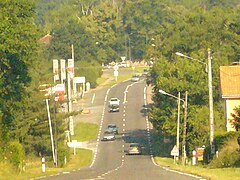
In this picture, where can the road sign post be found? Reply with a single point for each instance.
(115, 73)
(123, 58)
(175, 153)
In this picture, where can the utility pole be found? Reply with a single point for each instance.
(178, 122)
(71, 129)
(184, 130)
(211, 115)
(126, 46)
(72, 52)
(129, 44)
(55, 132)
(51, 133)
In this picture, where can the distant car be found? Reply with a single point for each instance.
(114, 101)
(112, 128)
(108, 136)
(145, 72)
(114, 108)
(135, 78)
(123, 64)
(134, 149)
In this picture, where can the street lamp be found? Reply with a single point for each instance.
(129, 46)
(178, 123)
(211, 115)
(183, 55)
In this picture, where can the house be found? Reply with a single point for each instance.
(230, 89)
(45, 39)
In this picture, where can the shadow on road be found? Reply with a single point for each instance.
(161, 145)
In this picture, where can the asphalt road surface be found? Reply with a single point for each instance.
(110, 160)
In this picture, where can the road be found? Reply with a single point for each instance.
(110, 160)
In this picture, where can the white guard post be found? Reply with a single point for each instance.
(194, 157)
(43, 165)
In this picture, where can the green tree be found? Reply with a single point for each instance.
(17, 46)
(236, 118)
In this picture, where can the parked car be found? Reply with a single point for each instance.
(134, 149)
(135, 78)
(108, 136)
(112, 128)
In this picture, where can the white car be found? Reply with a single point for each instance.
(122, 64)
(135, 78)
(114, 101)
(108, 136)
(134, 149)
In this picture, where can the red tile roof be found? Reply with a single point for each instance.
(45, 39)
(230, 81)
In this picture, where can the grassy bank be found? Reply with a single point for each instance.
(212, 173)
(33, 165)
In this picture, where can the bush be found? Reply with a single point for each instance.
(91, 70)
(229, 155)
(16, 155)
(63, 154)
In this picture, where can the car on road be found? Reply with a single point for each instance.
(145, 72)
(123, 64)
(135, 78)
(114, 108)
(108, 136)
(114, 101)
(134, 149)
(112, 128)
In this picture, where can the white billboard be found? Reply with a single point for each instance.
(71, 68)
(55, 70)
(63, 69)
(79, 79)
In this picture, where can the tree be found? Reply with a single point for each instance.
(236, 118)
(17, 46)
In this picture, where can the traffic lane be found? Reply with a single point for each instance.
(118, 91)
(110, 153)
(136, 127)
(84, 173)
(140, 166)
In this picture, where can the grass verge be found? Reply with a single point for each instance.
(212, 173)
(33, 167)
(85, 131)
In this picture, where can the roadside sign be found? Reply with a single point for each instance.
(175, 151)
(200, 153)
(74, 143)
(115, 73)
(81, 79)
(115, 67)
(123, 58)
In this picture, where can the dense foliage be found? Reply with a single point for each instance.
(236, 118)
(191, 32)
(102, 31)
